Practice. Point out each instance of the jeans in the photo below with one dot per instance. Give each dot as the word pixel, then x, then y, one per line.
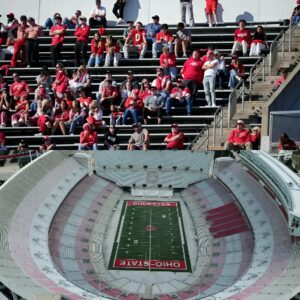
pixel 95 60
pixel 77 121
pixel 81 147
pixel 209 89
pixel 172 101
pixel 221 77
pixel 133 112
pixel 187 6
pixel 118 10
pixel 49 23
pixel 81 48
pixel 171 71
pixel 69 24
pixel 232 79
pixel 32 52
pixel 157 47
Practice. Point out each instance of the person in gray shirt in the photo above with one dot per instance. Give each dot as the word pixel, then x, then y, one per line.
pixel 139 140
pixel 187 6
pixel 153 106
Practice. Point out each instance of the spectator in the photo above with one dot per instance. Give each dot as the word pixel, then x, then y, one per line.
pixel 175 139
pixel 130 26
pixel 259 42
pixel 125 92
pixel 81 46
pixel 255 137
pixel 44 78
pixel 88 138
pixel 211 12
pixel 145 89
pixel 109 95
pixel 183 39
pixel 133 105
pixel 210 68
pixel 19 44
pixel 23 146
pixel 179 96
pixel 111 140
pixel 3 83
pixel 73 22
pixel 239 138
pixel 236 72
pixel 97 51
pixel 138 38
pixel 98 16
pixel 61 83
pixel 21 116
pixel 118 10
pixel 152 29
pixel 162 83
pixel 95 116
pixel 187 5
pixel 51 22
pixel 3 34
pixel 39 95
pixel 153 106
pixel 163 39
pixel 57 32
pixel 108 76
pixel 295 18
pixel 75 119
pixel 45 117
pixel 113 54
pixel 278 82
pixel 286 143
pixel 11 26
pixel 47 145
pixel 83 80
pixel 61 116
pixel 131 79
pixel 84 100
pixel 139 140
pixel 168 63
pixel 19 89
pixel 3 147
pixel 242 37
pixel 221 71
pixel 4 107
pixel 192 73
pixel 8 51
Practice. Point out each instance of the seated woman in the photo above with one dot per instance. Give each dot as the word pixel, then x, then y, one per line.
pixel 61 116
pixel 75 118
pixel 95 116
pixel 113 54
pixel 81 79
pixel 259 42
pixel 97 51
pixel 21 116
pixel 168 63
pixel 88 138
pixel 145 90
pixel 236 72
pixel 133 105
pixel 286 143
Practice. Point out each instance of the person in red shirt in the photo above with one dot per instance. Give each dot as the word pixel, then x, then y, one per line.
pixel 163 39
pixel 145 90
pixel 61 116
pixel 19 45
pixel 138 38
pixel 168 63
pixel 97 51
pixel 133 105
pixel 175 139
pixel 61 82
pixel 193 73
pixel 21 116
pixel 285 143
pixel 239 138
pixel 236 72
pixel 109 94
pixel 81 46
pixel 19 88
pixel 57 32
pixel 113 54
pixel 4 107
pixel 278 82
pixel 242 37
pixel 88 138
pixel 47 145
pixel 180 95
pixel 211 12
pixel 163 83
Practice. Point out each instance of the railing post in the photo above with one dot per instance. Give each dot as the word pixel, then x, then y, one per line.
pixel 243 94
pixel 207 138
pixel 264 67
pixel 214 132
pixel 290 37
pixel 282 47
pixel 229 109
pixel 250 86
pixel 270 60
pixel 221 125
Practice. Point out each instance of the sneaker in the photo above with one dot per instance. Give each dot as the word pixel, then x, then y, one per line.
pixel 105 66
pixel 120 21
pixel 184 56
pixel 142 57
pixel 15 124
pixel 115 65
pixel 97 66
pixel 38 134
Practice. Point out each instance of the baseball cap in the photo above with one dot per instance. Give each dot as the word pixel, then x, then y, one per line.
pixel 129 72
pixel 240 122
pixel 10 15
pixel 155 17
pixel 179 80
pixel 130 22
pixel 15 75
pixel 78 11
pixel 174 125
pixel 138 124
pixel 83 18
pixel 30 19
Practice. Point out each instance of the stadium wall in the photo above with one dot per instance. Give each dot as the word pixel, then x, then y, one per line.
pixel 142 10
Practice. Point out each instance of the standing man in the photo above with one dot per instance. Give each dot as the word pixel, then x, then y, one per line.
pixel 210 68
pixel 98 16
pixel 118 10
pixel 33 32
pixel 187 5
pixel 81 46
pixel 57 32
pixel 19 45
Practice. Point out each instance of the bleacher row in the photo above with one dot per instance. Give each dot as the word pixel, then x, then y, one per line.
pixel 220 37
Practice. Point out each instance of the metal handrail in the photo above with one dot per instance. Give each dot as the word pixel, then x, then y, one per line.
pixel 273 47
pixel 252 76
pixel 216 123
pixel 196 138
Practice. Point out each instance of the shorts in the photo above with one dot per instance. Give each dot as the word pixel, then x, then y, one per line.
pixel 211 6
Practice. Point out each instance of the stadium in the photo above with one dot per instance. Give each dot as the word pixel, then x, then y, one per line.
pixel 155 225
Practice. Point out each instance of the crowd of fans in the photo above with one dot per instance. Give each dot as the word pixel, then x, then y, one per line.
pixel 67 103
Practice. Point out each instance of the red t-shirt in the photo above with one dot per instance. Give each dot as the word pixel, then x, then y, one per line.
pixel 18 89
pixel 165 36
pixel 85 101
pixel 288 145
pixel 138 103
pixel 137 36
pixel 82 33
pixel 97 47
pixel 143 94
pixel 167 60
pixel 179 144
pixel 243 35
pixel 239 136
pixel 163 83
pixel 180 92
pixel 56 39
pixel 192 70
pixel 89 137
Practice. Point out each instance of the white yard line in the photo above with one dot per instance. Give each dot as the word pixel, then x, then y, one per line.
pixel 181 235
pixel 150 236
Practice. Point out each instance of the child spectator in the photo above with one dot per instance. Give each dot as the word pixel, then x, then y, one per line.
pixel 81 45
pixel 236 72
pixel 133 105
pixel 88 138
pixel 168 63
pixel 175 139
pixel 111 140
pixel 179 96
pixel 44 117
pixel 118 10
pixel 259 42
pixel 242 37
pixel 113 54
pixel 95 116
pixel 145 89
pixel 211 12
pixel 97 51
pixel 163 39
pixel 139 140
pixel 286 143
pixel 183 40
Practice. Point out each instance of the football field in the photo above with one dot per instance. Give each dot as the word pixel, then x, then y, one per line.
pixel 150 236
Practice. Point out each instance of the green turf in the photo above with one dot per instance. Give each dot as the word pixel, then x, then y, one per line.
pixel 165 243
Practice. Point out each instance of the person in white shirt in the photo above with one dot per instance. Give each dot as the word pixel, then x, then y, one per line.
pixel 98 16
pixel 210 68
pixel 222 70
